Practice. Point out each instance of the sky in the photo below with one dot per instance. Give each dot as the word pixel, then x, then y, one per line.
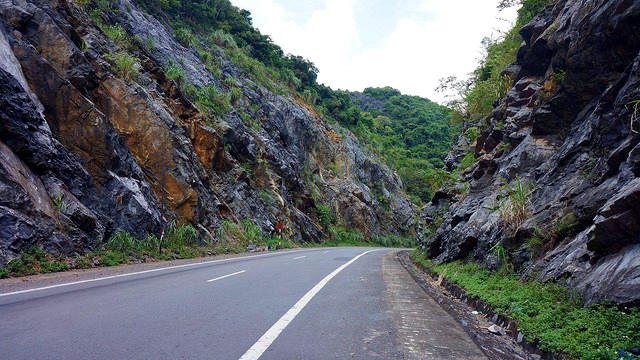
pixel 406 44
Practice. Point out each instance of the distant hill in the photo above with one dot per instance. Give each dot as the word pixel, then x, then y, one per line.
pixel 412 133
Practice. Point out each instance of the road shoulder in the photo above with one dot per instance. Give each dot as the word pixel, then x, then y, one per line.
pixel 424 329
pixel 475 324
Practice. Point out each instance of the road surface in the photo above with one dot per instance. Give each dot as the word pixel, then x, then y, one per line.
pixel 327 303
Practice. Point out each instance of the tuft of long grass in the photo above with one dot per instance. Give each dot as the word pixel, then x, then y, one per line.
pixel 176 73
pixel 514 201
pixel 221 39
pixel 124 65
pixel 58 203
pixel 635 115
pixel 235 95
pixel 117 34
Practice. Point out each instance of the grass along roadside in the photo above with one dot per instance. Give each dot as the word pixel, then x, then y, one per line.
pixel 549 312
pixel 179 242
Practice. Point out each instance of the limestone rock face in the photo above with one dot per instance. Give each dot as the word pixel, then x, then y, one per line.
pixel 565 127
pixel 87 152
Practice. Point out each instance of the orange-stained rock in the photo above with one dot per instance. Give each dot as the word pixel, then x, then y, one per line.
pixel 307 106
pixel 208 146
pixel 151 141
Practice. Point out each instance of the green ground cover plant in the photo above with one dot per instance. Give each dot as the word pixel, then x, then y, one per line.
pixel 35 261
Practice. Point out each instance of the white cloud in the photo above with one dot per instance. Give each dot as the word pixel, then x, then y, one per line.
pixel 419 51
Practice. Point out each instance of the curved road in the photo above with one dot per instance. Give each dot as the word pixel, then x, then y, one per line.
pixel 328 303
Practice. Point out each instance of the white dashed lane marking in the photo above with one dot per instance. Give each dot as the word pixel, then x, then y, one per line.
pixel 226 276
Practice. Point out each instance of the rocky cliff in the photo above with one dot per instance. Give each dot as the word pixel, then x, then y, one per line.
pixel 568 133
pixel 89 149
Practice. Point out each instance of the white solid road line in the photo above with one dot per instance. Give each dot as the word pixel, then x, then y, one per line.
pixel 143 272
pixel 226 276
pixel 299 257
pixel 270 336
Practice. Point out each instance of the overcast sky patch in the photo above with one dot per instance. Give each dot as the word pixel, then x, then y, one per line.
pixel 406 44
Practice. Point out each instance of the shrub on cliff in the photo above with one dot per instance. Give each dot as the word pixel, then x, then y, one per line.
pixel 125 66
pixel 210 98
pixel 325 216
pixel 176 73
pixel 185 36
pixel 476 95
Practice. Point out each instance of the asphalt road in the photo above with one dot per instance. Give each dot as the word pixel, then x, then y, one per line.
pixel 310 304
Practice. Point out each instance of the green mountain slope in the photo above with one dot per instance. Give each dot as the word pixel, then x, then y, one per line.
pixel 412 133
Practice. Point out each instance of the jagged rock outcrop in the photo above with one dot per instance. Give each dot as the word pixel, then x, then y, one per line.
pixel 569 126
pixel 87 151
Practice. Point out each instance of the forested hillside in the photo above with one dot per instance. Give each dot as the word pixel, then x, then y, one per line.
pixel 411 133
